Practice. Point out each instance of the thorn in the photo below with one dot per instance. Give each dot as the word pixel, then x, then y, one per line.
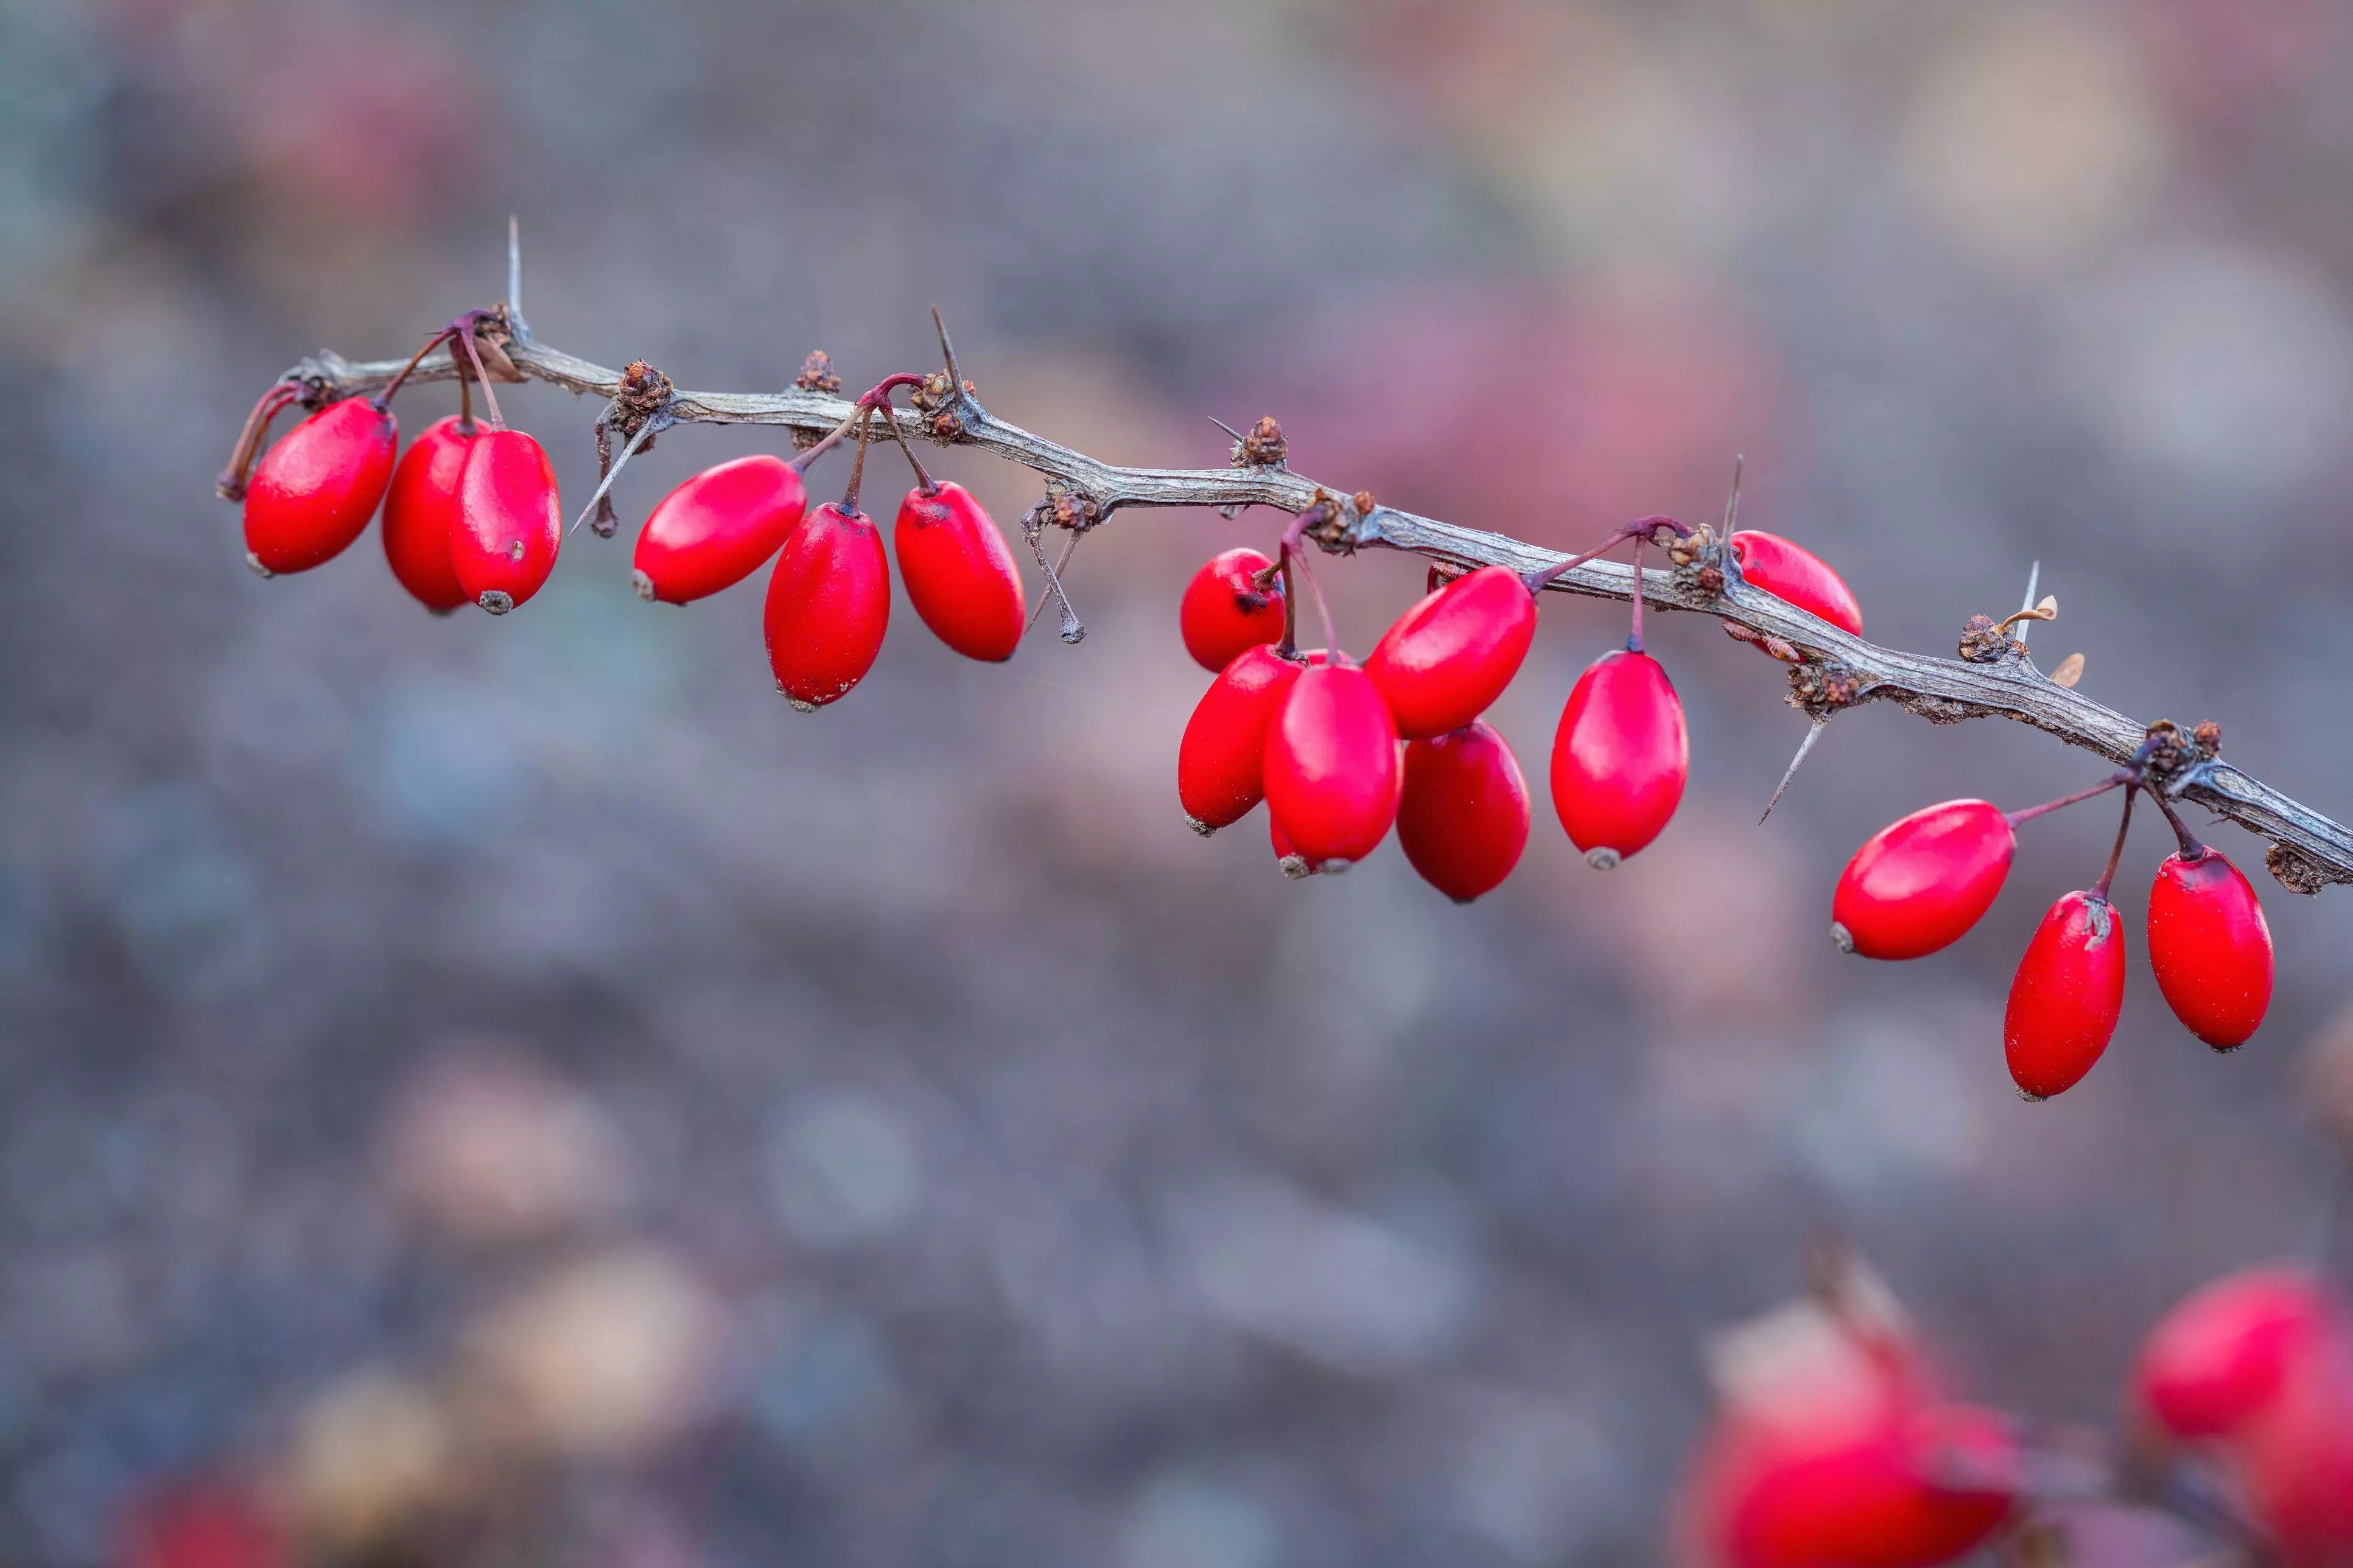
pixel 605 484
pixel 1073 630
pixel 1069 548
pixel 1227 428
pixel 947 352
pixel 514 278
pixel 1813 733
pixel 1732 507
pixel 2033 580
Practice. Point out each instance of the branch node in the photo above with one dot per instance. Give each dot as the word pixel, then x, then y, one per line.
pixel 1265 447
pixel 1984 640
pixel 1820 690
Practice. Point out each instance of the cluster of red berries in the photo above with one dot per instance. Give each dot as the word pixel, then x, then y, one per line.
pixel 471 516
pixel 1341 752
pixel 1918 884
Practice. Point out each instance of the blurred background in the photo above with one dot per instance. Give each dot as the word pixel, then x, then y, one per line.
pixel 510 1090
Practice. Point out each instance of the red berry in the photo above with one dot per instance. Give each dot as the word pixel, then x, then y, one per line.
pixel 509 524
pixel 1463 818
pixel 959 574
pixel 716 530
pixel 2064 998
pixel 1453 652
pixel 313 492
pixel 1287 857
pixel 2221 1356
pixel 1332 765
pixel 1224 611
pixel 828 606
pixel 1221 762
pixel 2211 949
pixel 2295 1457
pixel 1903 1490
pixel 1619 758
pixel 1791 572
pixel 1920 883
pixel 421 508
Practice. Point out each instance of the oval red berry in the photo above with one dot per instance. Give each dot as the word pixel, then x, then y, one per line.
pixel 1463 815
pixel 420 509
pixel 1222 760
pixel 1921 882
pixel 1451 655
pixel 2065 999
pixel 2219 1358
pixel 716 529
pixel 829 605
pixel 1792 572
pixel 959 573
pixel 1619 758
pixel 509 523
pixel 1224 611
pixel 1332 765
pixel 313 493
pixel 2211 947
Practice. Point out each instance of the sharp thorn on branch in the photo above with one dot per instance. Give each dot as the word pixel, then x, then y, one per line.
pixel 1732 504
pixel 2033 581
pixel 948 354
pixel 1033 528
pixel 514 279
pixel 644 432
pixel 1813 733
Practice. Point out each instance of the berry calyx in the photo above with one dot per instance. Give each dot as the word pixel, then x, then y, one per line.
pixel 1222 760
pixel 313 493
pixel 2065 996
pixel 1792 572
pixel 2221 1356
pixel 2211 947
pixel 829 605
pixel 420 509
pixel 1450 656
pixel 1462 814
pixel 1332 765
pixel 1619 758
pixel 717 529
pixel 1224 610
pixel 1922 882
pixel 959 573
pixel 510 523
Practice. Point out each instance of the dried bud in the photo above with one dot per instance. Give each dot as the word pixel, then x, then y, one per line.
pixel 1983 641
pixel 1365 503
pixel 2209 736
pixel 2173 750
pixel 1821 689
pixel 643 393
pixel 1264 448
pixel 933 394
pixel 816 374
pixel 1069 506
pixel 2296 871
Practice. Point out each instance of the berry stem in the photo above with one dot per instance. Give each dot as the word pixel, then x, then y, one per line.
pixel 1634 636
pixel 857 464
pixel 465 392
pixel 2123 776
pixel 1289 645
pixel 383 398
pixel 922 480
pixel 463 328
pixel 1293 538
pixel 1539 580
pixel 231 482
pixel 2100 889
pixel 2191 849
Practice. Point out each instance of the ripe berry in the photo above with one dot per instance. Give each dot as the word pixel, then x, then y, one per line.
pixel 716 530
pixel 2064 998
pixel 1287 857
pixel 2221 1356
pixel 1920 883
pixel 959 574
pixel 828 606
pixel 1452 654
pixel 1332 765
pixel 1619 758
pixel 1908 1489
pixel 1221 762
pixel 421 508
pixel 2295 1457
pixel 1791 572
pixel 508 524
pixel 313 493
pixel 1224 611
pixel 2211 949
pixel 1463 818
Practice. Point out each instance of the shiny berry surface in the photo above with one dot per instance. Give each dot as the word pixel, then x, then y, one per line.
pixel 1921 882
pixel 1462 816
pixel 421 508
pixel 959 573
pixel 1792 572
pixel 509 523
pixel 1619 758
pixel 1450 656
pixel 1332 765
pixel 829 605
pixel 1224 611
pixel 717 528
pixel 2211 947
pixel 1222 760
pixel 313 493
pixel 2065 999
pixel 2223 1355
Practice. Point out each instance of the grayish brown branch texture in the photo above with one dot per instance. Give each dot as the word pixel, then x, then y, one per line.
pixel 1829 670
